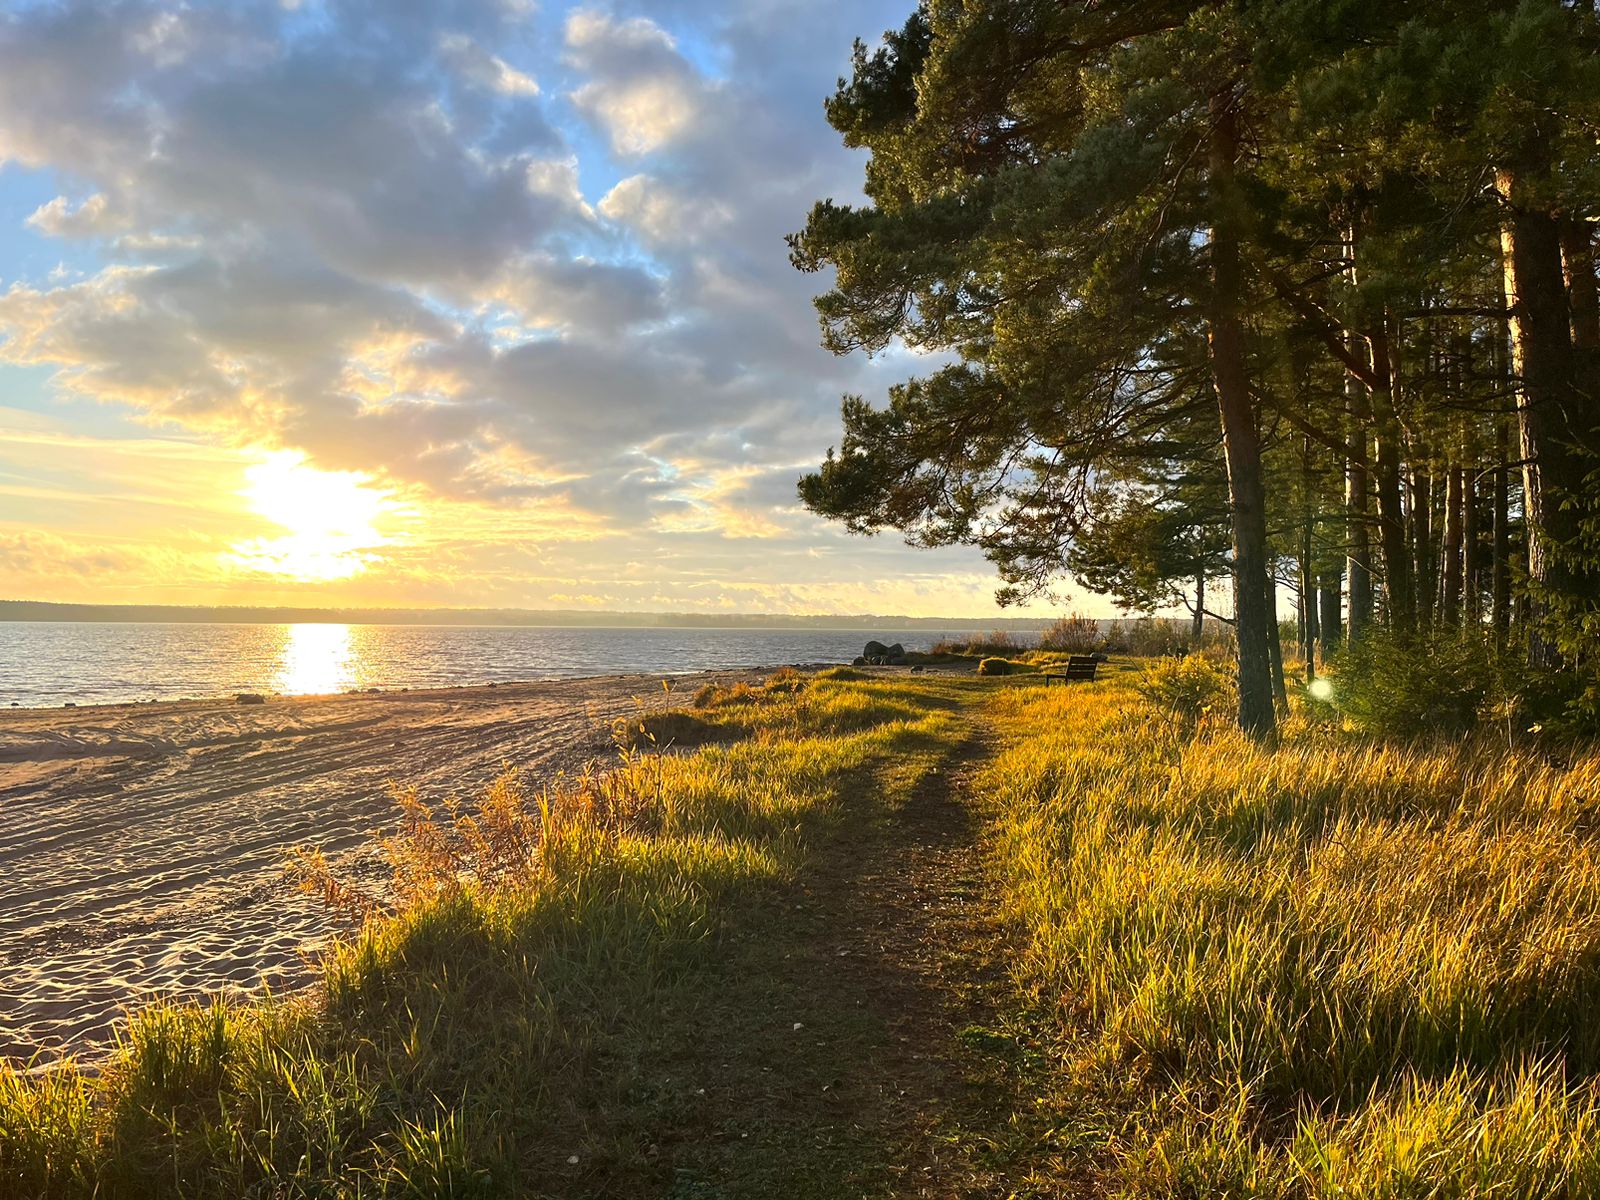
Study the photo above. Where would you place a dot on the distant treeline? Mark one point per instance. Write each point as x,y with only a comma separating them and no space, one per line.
38,610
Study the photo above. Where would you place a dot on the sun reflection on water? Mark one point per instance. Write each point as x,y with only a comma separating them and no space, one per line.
316,659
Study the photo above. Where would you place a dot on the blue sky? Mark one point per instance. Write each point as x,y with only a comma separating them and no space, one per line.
476,302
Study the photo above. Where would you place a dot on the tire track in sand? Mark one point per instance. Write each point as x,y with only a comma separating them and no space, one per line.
141,846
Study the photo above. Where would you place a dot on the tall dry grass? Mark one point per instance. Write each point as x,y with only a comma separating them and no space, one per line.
1072,634
1340,967
997,642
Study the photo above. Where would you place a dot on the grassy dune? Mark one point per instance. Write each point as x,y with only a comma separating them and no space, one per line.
1337,967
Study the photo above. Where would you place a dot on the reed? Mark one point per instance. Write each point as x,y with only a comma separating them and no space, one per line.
1340,966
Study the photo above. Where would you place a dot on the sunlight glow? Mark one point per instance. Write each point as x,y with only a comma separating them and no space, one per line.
1320,688
329,518
315,660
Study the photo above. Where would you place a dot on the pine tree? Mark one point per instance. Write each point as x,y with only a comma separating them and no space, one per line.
1059,196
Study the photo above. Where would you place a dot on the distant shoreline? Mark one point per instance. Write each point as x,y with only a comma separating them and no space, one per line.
177,614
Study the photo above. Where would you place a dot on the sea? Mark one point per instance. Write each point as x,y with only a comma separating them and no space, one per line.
51,663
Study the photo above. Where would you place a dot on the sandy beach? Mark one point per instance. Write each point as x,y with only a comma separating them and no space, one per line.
142,845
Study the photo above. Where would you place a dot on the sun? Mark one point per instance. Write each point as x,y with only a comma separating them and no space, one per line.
329,518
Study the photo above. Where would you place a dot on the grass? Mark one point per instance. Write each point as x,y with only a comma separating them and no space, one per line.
1335,967
539,1014
1338,967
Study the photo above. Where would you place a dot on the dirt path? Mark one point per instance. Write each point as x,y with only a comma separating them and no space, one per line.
853,1053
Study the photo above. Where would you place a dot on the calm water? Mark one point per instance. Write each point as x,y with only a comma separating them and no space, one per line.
51,663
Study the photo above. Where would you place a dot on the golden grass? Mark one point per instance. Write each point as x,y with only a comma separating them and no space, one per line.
1337,967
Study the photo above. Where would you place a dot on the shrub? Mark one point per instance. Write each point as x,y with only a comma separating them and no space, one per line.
1150,637
1187,687
996,642
1008,666
1445,683
786,680
1074,634
715,695
669,727
843,675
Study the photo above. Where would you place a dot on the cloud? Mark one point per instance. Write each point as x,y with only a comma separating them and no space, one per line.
581,295
229,123
60,218
383,234
481,69
640,89
661,215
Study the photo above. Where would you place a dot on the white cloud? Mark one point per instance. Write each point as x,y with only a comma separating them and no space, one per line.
659,213
640,89
581,296
481,69
59,218
358,231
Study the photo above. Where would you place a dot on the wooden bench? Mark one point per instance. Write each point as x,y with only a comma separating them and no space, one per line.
1080,669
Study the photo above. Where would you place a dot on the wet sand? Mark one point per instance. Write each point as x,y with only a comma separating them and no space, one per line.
142,845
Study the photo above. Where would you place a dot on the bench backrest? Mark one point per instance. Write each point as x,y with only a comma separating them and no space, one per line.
1081,666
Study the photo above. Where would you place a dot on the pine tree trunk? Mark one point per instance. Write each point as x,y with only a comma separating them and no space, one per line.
1500,587
1308,609
1423,573
1583,301
1198,633
1471,543
1450,603
1357,533
1280,690
1583,297
1308,579
1391,508
1241,439
1552,413
1500,522
1330,626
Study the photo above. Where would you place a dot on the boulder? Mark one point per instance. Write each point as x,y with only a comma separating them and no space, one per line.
250,698
895,651
874,650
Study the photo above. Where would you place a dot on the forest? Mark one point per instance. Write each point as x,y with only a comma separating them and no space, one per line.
1261,299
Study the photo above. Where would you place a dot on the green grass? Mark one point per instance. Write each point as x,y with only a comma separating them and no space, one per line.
1339,967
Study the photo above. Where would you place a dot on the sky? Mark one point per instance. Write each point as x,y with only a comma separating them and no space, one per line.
467,303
